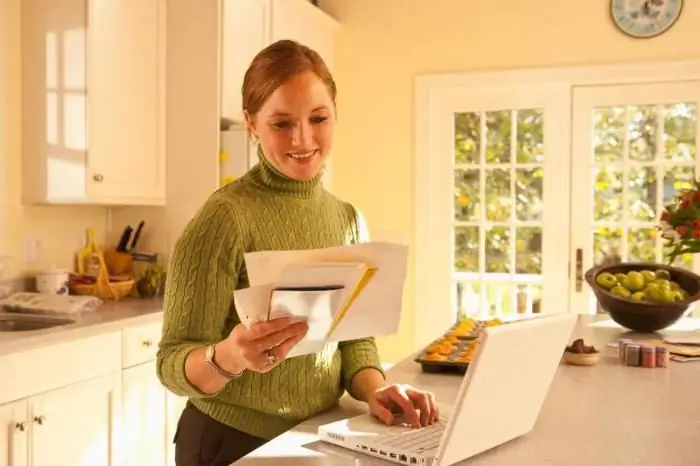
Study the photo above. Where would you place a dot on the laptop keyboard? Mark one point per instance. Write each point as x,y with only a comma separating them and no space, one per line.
417,440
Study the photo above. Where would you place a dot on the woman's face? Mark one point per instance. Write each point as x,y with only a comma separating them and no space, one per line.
295,126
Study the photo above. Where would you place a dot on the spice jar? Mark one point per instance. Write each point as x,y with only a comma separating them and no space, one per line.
662,357
648,358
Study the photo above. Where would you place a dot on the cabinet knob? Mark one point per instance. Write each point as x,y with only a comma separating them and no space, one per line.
21,426
147,343
39,420
97,178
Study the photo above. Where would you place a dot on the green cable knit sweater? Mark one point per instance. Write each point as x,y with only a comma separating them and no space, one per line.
262,210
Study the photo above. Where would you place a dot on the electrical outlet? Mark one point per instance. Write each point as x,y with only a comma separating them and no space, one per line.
33,250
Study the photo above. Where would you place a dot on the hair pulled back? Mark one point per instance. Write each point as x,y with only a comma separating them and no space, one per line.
274,65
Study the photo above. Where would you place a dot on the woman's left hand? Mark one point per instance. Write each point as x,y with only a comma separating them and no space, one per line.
418,406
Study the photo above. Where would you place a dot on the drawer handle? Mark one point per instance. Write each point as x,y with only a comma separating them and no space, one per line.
21,426
39,420
147,343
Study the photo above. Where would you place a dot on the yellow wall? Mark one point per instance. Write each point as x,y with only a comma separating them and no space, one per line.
58,227
384,44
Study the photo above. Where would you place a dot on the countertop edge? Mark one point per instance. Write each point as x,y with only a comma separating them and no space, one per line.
111,317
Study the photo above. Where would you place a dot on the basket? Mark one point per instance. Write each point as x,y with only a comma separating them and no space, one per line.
103,288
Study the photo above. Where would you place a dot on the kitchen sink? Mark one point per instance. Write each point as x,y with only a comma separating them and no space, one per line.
23,322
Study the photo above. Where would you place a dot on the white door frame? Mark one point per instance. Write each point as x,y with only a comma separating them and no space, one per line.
430,319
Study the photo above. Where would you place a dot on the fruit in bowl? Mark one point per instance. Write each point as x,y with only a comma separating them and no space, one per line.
654,286
644,297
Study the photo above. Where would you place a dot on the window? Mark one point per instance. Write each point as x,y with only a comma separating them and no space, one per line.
524,177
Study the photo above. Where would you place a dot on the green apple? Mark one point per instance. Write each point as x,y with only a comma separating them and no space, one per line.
668,295
620,276
606,280
648,275
634,281
663,274
638,296
655,294
674,286
620,290
662,283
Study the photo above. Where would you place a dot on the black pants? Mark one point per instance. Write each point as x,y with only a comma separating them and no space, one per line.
203,441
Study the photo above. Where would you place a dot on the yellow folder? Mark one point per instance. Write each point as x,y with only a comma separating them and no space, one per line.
361,284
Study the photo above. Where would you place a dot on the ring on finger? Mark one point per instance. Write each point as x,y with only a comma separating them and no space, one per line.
270,358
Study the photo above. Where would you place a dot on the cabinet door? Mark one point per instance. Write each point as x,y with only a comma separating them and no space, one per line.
13,434
301,21
126,102
144,416
244,33
174,406
77,425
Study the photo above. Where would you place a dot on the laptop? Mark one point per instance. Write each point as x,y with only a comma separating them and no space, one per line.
500,398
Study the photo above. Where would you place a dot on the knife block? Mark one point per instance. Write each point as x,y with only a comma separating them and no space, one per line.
119,263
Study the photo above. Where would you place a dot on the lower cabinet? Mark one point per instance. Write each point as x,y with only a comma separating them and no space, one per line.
150,418
123,418
73,425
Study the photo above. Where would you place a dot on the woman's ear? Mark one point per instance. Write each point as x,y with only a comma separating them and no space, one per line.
250,125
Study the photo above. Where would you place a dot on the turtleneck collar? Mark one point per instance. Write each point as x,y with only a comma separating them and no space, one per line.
266,175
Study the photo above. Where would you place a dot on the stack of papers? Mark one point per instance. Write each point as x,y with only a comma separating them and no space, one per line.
343,293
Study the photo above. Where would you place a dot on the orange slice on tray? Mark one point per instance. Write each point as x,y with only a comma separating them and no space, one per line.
434,357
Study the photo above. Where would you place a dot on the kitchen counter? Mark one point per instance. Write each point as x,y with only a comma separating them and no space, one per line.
108,317
605,415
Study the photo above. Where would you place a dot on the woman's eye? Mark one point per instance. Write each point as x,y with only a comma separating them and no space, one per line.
282,125
318,120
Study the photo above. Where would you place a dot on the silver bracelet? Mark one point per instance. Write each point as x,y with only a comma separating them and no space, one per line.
209,360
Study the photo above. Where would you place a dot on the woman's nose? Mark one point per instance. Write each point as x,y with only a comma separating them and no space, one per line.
302,135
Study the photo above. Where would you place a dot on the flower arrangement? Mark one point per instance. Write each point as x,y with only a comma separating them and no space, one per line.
680,223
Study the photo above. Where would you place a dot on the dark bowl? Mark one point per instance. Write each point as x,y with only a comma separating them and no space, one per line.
644,316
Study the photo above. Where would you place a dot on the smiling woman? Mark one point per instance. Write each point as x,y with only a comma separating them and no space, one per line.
242,388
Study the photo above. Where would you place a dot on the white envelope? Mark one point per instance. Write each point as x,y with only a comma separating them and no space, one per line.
376,310
317,307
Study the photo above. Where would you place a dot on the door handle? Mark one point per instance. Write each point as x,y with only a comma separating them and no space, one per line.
579,270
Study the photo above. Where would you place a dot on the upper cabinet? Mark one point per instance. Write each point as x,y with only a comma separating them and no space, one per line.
248,26
93,102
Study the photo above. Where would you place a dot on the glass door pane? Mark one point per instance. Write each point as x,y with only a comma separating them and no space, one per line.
633,148
509,200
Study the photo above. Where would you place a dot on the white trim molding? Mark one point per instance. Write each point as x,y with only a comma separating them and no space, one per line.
433,94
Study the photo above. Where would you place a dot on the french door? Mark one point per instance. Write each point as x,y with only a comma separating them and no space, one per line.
502,193
633,147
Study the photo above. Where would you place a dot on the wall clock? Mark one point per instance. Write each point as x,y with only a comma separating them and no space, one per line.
645,18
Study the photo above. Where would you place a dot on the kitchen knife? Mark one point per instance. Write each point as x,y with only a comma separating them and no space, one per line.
137,235
124,240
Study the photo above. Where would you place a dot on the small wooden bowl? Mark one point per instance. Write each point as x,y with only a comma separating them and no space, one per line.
581,359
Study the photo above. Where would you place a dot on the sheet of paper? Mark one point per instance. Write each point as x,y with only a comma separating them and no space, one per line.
253,303
376,311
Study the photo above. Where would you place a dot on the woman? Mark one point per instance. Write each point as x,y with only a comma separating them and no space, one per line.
242,390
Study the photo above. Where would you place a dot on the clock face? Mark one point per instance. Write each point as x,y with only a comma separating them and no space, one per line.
645,18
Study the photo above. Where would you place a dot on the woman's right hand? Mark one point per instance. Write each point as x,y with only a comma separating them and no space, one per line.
262,346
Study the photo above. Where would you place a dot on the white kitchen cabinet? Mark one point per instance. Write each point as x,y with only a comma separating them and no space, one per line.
247,27
144,409
174,406
305,23
75,425
93,101
244,32
14,428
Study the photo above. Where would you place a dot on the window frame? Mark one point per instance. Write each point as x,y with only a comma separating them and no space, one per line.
429,91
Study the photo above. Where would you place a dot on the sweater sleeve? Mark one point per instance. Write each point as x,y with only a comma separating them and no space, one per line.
359,354
203,272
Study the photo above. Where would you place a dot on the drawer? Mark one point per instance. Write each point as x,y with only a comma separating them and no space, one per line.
140,344
42,369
